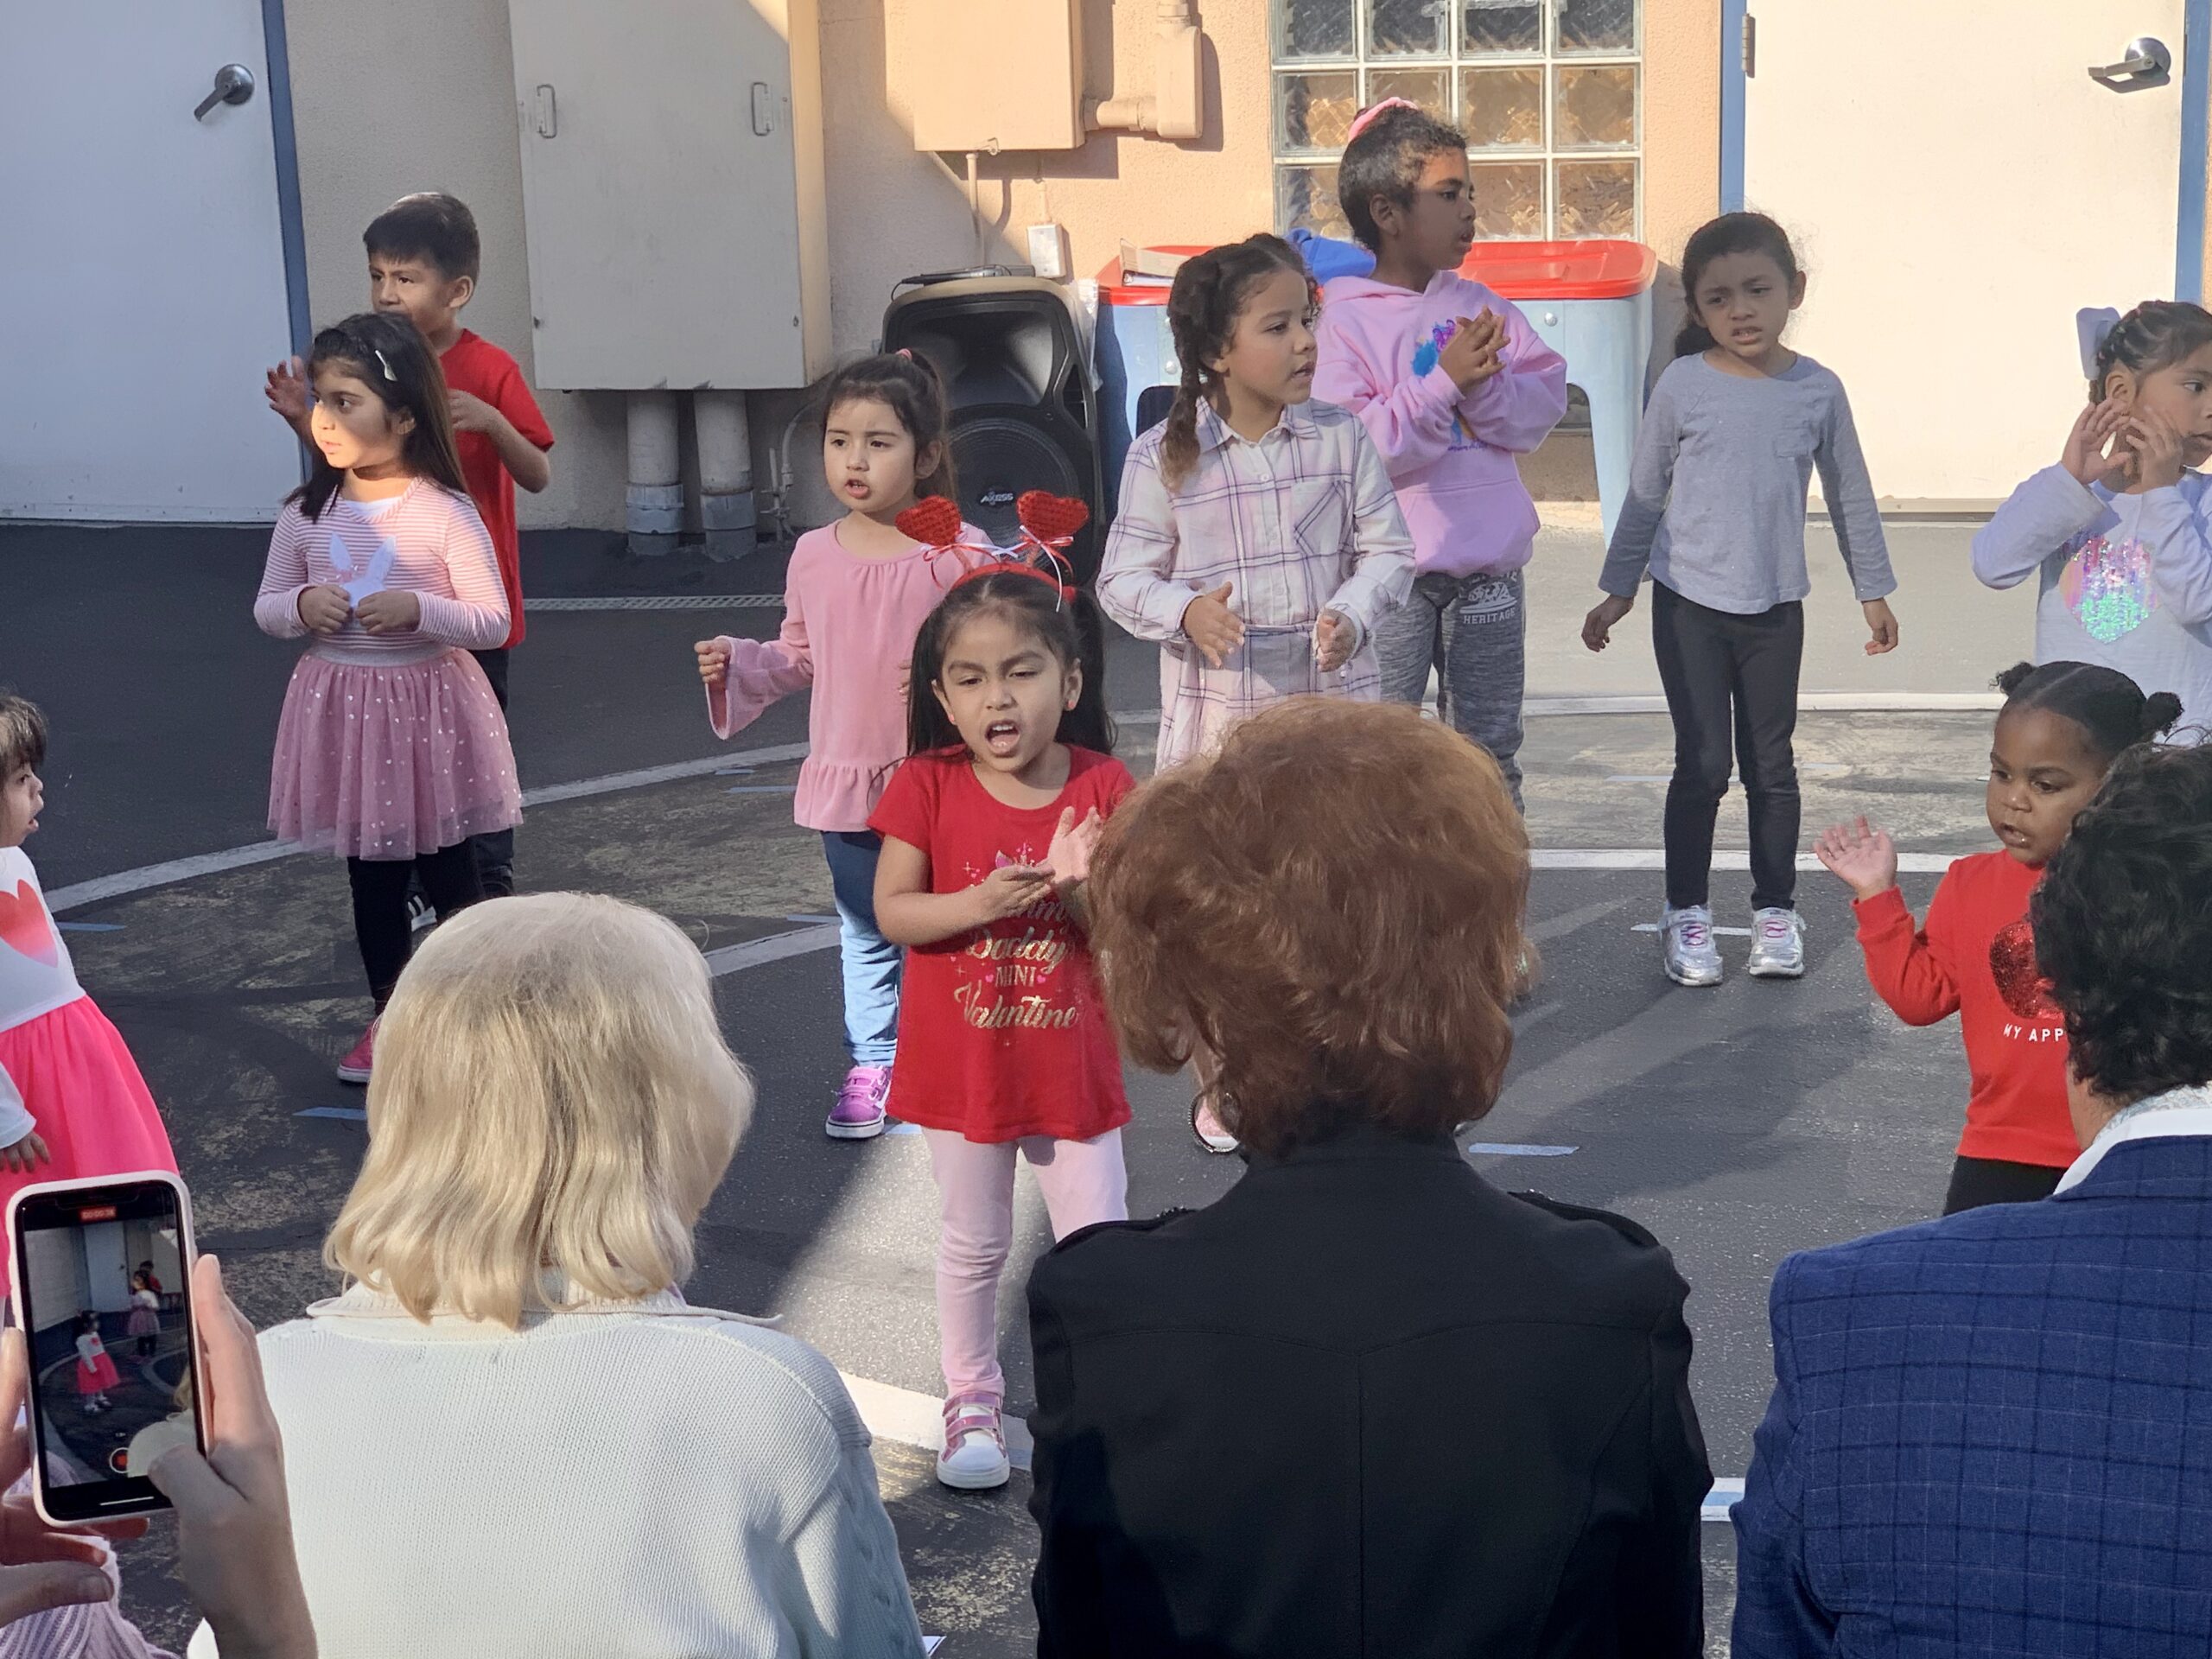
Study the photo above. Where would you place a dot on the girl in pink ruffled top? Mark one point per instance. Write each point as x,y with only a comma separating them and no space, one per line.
391,750
855,595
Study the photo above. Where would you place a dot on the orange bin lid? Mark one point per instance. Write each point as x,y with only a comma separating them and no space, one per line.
1592,270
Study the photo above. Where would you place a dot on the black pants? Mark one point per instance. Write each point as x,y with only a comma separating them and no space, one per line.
450,881
495,851
1730,676
1977,1181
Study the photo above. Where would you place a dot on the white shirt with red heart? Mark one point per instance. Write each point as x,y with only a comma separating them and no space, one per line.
36,975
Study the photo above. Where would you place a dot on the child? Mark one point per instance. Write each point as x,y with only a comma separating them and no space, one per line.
424,255
145,1323
1258,539
1004,1043
1452,383
70,1098
1716,509
96,1372
2062,725
391,750
2117,530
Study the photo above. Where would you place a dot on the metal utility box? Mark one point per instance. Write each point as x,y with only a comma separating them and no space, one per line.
672,188
990,74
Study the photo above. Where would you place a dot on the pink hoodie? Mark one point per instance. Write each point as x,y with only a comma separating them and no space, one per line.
1451,457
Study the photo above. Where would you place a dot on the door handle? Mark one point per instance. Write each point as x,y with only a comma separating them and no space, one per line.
233,85
548,113
2147,64
764,110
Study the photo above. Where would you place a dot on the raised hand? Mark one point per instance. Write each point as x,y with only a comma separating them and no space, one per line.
2085,455
1598,626
325,608
1069,856
714,661
2156,443
1210,625
287,392
470,413
1861,854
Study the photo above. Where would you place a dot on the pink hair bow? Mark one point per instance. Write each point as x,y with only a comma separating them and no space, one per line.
1365,119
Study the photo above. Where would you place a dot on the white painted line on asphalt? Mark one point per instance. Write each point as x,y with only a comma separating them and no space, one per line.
1653,927
914,1419
1724,1496
735,958
644,777
1811,702
1511,1149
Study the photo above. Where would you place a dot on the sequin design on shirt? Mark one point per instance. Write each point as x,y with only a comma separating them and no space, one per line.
2107,586
2019,978
1425,356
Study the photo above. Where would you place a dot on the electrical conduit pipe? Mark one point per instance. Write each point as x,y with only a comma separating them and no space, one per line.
655,499
725,438
1174,109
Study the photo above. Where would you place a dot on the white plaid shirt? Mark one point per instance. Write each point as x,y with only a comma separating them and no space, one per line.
1301,521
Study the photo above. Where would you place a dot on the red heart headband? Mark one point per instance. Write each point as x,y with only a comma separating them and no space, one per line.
1048,526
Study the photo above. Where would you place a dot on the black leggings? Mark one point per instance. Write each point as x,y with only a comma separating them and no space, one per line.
1977,1181
450,882
1724,672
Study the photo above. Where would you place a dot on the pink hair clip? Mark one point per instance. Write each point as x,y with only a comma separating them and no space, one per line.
1365,119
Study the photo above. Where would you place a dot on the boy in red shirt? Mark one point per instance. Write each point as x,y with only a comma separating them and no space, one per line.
2062,727
423,259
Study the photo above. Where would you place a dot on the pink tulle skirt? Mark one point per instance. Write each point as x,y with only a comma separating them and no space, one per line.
387,761
81,1084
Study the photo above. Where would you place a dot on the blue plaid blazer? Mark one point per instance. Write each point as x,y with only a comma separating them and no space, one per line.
1991,1434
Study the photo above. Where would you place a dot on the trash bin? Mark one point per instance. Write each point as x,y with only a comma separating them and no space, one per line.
1589,301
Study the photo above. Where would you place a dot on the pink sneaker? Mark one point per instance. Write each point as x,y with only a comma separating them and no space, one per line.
354,1068
858,1115
974,1458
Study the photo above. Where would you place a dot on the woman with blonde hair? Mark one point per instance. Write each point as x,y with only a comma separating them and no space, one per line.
511,1434
1366,1401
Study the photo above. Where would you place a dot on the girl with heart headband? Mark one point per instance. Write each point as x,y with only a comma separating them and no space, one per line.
392,750
1004,1049
71,1102
1258,539
2061,729
2118,532
856,592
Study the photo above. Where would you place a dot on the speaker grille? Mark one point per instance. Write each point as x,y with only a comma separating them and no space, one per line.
999,456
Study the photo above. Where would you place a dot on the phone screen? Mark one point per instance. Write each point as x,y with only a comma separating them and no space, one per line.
105,1305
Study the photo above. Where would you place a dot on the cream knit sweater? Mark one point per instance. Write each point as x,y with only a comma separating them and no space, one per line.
635,1479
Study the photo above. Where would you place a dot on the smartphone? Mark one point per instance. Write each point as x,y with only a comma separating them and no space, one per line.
100,1272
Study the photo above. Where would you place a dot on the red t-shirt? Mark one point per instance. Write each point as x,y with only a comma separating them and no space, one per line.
473,364
1001,1032
1976,958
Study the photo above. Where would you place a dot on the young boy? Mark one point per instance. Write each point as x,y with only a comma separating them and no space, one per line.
1452,383
424,256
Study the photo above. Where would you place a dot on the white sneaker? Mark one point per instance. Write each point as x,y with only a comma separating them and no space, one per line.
1686,943
1777,943
974,1458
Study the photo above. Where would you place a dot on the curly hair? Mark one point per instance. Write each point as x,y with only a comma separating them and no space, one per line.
1330,908
1207,297
2123,926
2156,334
1385,160
2110,708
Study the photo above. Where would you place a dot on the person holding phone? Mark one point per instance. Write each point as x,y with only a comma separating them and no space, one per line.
234,1538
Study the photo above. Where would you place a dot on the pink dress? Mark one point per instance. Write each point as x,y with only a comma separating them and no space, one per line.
64,1070
848,628
95,1371
390,745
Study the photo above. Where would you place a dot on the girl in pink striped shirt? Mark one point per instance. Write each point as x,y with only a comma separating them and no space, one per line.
391,751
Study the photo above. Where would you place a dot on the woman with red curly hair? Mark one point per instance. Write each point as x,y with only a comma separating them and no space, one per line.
1366,1402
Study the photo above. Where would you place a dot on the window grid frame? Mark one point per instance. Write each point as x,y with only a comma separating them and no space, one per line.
1547,57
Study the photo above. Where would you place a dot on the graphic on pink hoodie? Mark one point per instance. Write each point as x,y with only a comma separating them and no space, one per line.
1450,457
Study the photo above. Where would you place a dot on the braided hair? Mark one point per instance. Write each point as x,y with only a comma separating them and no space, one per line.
2156,334
2110,708
1203,307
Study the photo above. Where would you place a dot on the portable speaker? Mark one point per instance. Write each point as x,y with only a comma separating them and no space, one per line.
1024,416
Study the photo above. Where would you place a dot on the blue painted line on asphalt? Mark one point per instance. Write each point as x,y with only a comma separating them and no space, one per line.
811,918
1724,1496
902,1128
1510,1149
733,772
90,927
345,1113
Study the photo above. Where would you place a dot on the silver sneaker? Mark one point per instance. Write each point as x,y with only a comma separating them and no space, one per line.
1686,940
1777,943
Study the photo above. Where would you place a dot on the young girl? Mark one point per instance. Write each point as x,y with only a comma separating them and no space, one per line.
855,595
96,1372
1452,383
1258,538
1716,511
1004,1045
145,1324
71,1102
2117,531
391,750
2062,725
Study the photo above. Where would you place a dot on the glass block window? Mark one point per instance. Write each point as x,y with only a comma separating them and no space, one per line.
1549,92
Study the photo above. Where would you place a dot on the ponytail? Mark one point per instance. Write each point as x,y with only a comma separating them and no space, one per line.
2110,708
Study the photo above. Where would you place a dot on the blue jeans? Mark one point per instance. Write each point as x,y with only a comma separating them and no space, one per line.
871,962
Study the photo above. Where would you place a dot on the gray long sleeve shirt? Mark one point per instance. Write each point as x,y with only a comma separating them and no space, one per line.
1716,499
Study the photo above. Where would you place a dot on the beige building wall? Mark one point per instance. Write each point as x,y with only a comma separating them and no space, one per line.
419,94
